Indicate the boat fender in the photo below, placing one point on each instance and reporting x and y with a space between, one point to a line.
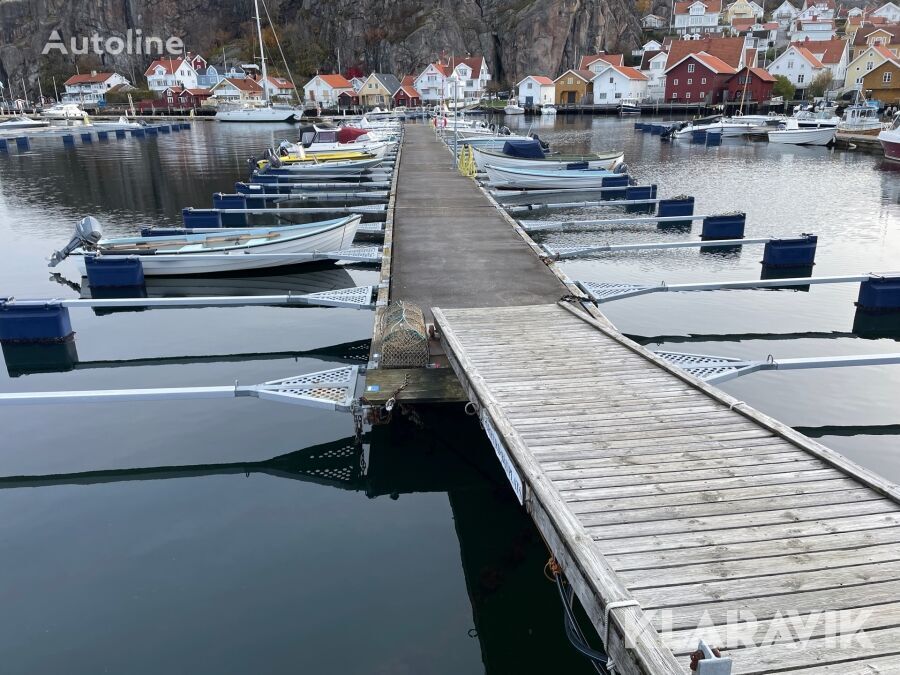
505 131
493 127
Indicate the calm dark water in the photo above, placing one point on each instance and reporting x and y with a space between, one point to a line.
236 536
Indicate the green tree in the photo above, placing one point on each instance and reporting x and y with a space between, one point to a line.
783 88
820 84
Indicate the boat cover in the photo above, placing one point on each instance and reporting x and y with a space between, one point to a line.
530 149
349 134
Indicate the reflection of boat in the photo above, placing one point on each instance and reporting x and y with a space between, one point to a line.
212 252
530 155
64 111
22 122
548 110
791 133
890 140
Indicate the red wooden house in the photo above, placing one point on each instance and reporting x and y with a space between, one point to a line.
750 84
698 78
407 95
177 99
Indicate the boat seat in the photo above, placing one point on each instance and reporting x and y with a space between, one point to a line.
191 247
257 241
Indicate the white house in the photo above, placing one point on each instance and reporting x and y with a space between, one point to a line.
812 29
697 16
614 83
358 83
821 9
238 90
326 89
470 74
651 46
653 65
91 87
798 65
652 22
889 11
536 90
833 54
785 14
165 73
278 88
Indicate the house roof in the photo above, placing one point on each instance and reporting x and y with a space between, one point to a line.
712 6
770 25
727 49
743 24
89 78
630 73
241 83
590 59
714 63
408 81
760 73
409 90
540 79
647 56
826 51
198 92
884 51
280 82
336 81
447 66
809 56
388 81
866 29
170 65
586 75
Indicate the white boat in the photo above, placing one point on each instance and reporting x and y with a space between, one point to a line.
64 111
267 112
816 118
890 140
608 160
17 122
213 252
548 110
122 123
728 129
256 114
791 133
860 119
328 138
508 177
512 107
629 106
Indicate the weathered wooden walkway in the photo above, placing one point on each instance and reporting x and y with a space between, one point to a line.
673 506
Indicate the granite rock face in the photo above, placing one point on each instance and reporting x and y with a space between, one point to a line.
517 37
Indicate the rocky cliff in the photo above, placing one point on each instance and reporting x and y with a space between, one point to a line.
517 37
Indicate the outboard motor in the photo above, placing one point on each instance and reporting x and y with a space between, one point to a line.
505 131
544 144
253 163
621 168
88 233
273 159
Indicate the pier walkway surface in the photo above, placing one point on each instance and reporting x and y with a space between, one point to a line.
675 511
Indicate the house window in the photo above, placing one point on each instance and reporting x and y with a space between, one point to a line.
690 80
869 65
674 95
687 95
570 81
702 94
790 65
618 94
601 95
529 86
800 78
691 67
611 80
702 80
886 77
675 82
858 80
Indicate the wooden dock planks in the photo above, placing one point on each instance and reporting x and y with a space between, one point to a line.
652 487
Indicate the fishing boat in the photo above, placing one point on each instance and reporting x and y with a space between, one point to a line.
567 178
860 119
512 107
812 117
64 111
791 133
266 112
548 110
283 159
17 122
348 167
226 250
329 138
728 128
890 140
530 155
629 106
122 123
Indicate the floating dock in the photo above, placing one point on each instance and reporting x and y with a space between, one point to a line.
676 512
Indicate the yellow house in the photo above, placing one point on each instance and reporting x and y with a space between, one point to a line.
868 60
574 87
378 90
743 9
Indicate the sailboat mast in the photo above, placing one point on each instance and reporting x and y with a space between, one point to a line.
262 52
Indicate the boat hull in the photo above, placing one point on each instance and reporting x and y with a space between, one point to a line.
525 179
258 115
822 136
214 261
482 158
890 143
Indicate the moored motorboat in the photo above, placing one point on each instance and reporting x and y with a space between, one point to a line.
212 252
512 107
860 119
574 178
17 122
257 114
629 106
530 155
548 110
890 140
64 111
122 123
791 133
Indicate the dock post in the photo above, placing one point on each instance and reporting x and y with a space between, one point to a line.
619 180
114 271
794 252
42 323
879 294
201 217
639 192
726 226
120 133
677 206
4 146
164 129
226 202
86 137
152 131
102 135
68 140
22 143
